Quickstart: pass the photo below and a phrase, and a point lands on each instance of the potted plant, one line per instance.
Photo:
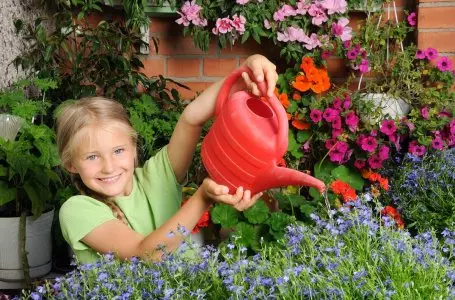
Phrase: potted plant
(28, 182)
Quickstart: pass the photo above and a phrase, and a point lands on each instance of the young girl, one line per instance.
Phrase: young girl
(127, 210)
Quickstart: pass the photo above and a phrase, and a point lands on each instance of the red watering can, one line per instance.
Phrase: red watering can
(246, 141)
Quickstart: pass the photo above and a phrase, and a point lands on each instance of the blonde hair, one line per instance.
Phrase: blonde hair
(74, 116)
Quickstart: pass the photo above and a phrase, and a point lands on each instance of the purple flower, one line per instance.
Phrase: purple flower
(431, 53)
(346, 44)
(420, 54)
(444, 64)
(416, 149)
(336, 103)
(388, 127)
(316, 115)
(412, 19)
(347, 102)
(338, 152)
(325, 54)
(330, 143)
(336, 123)
(369, 144)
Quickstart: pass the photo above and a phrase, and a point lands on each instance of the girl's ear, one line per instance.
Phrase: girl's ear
(70, 168)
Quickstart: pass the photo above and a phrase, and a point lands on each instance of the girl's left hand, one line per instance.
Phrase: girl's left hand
(263, 69)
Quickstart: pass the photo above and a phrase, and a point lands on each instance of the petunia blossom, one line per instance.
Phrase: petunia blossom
(316, 115)
(444, 64)
(342, 30)
(437, 143)
(424, 112)
(431, 53)
(388, 127)
(369, 144)
(420, 54)
(335, 6)
(412, 19)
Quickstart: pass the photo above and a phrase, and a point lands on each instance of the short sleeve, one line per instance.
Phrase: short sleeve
(160, 164)
(79, 215)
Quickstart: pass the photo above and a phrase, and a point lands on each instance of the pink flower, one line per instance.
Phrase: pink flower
(336, 123)
(325, 54)
(338, 152)
(336, 103)
(330, 143)
(190, 14)
(420, 54)
(388, 127)
(416, 149)
(318, 14)
(347, 102)
(292, 34)
(223, 25)
(316, 115)
(352, 53)
(351, 120)
(342, 30)
(375, 161)
(346, 44)
(360, 164)
(285, 11)
(267, 24)
(437, 143)
(383, 152)
(369, 144)
(412, 19)
(312, 41)
(431, 53)
(364, 66)
(374, 132)
(335, 6)
(242, 2)
(424, 112)
(330, 114)
(238, 22)
(444, 64)
(336, 132)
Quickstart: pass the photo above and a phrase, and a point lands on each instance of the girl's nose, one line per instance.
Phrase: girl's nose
(108, 165)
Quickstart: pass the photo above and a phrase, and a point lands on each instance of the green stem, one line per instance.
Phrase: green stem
(23, 251)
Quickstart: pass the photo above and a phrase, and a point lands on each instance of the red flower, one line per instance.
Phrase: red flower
(393, 213)
(204, 221)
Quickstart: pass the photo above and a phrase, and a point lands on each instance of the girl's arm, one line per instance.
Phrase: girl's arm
(114, 236)
(186, 134)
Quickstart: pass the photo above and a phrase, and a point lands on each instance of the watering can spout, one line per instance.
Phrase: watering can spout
(280, 176)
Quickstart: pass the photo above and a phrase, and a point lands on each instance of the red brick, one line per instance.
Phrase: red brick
(153, 67)
(443, 41)
(219, 67)
(195, 89)
(183, 67)
(179, 45)
(436, 17)
(161, 25)
(248, 48)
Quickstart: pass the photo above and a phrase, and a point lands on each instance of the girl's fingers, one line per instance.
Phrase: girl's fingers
(272, 78)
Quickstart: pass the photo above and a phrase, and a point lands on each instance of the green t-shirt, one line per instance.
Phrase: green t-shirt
(156, 196)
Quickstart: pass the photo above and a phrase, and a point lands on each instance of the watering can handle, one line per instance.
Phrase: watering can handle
(223, 94)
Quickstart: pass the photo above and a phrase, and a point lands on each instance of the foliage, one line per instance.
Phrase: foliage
(296, 27)
(27, 165)
(422, 189)
(357, 255)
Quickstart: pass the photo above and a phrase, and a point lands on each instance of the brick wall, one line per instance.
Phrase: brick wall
(436, 26)
(179, 59)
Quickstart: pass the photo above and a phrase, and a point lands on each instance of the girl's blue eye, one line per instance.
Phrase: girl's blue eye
(91, 157)
(119, 151)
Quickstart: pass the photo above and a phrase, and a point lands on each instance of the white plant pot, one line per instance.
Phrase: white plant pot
(388, 106)
(9, 126)
(38, 245)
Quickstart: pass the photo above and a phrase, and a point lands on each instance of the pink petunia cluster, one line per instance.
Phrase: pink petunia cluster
(357, 57)
(341, 29)
(443, 63)
(190, 13)
(225, 25)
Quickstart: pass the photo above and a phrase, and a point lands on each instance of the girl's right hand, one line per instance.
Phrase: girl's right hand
(241, 200)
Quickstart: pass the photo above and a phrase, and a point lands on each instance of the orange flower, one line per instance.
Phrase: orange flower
(275, 91)
(289, 116)
(366, 173)
(375, 192)
(307, 63)
(338, 187)
(284, 100)
(296, 96)
(384, 183)
(349, 195)
(374, 177)
(392, 212)
(301, 83)
(300, 125)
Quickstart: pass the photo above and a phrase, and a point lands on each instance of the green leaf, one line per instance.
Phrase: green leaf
(258, 213)
(3, 171)
(225, 215)
(303, 136)
(246, 234)
(351, 177)
(39, 196)
(307, 209)
(322, 170)
(314, 193)
(245, 37)
(7, 194)
(278, 222)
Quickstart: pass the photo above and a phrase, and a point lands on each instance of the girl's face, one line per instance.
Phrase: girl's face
(104, 159)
